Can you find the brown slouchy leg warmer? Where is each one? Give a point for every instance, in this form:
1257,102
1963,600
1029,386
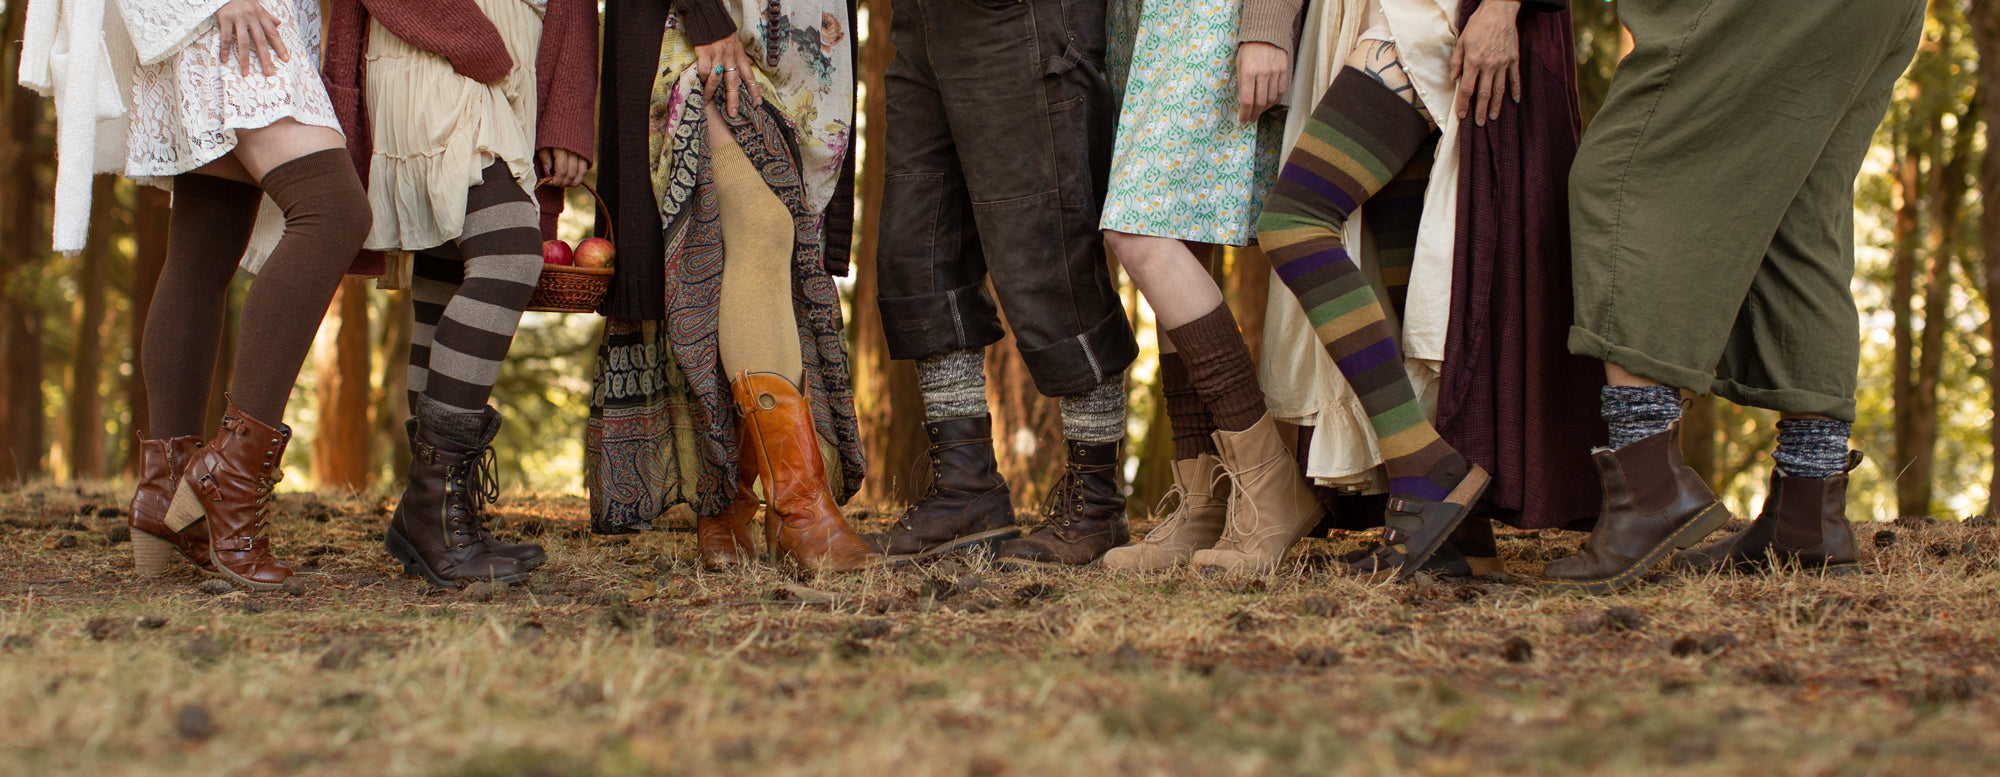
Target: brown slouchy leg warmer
1219,365
326,218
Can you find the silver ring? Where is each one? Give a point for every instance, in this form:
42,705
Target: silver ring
729,70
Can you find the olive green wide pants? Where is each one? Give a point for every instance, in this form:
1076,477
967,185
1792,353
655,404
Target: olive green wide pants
1712,201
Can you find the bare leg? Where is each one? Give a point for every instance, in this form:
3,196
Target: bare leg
1170,273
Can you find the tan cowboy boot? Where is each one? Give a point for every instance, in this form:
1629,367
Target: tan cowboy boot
801,520
1201,509
1270,505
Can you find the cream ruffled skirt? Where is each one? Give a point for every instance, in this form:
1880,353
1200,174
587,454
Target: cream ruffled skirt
436,131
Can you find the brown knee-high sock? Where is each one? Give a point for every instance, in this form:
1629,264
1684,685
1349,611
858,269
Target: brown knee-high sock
1193,425
207,232
326,218
759,332
1220,367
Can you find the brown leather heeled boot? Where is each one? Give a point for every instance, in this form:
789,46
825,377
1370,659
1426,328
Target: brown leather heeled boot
1803,524
161,463
228,484
1654,503
724,540
801,520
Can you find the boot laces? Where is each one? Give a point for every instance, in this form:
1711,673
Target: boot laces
267,495
475,484
1063,504
1179,493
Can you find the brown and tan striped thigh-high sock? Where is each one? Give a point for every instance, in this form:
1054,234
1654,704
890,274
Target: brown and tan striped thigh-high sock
326,218
467,311
759,333
207,232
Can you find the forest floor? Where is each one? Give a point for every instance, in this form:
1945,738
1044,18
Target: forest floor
622,658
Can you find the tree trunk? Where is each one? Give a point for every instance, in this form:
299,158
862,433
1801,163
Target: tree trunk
22,440
1904,178
392,406
85,402
342,457
1984,16
1947,196
150,210
1027,427
886,396
1699,433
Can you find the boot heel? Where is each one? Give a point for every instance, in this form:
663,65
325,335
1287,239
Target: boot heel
150,554
186,508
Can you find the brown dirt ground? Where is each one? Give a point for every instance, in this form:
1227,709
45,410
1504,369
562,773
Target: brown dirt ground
622,658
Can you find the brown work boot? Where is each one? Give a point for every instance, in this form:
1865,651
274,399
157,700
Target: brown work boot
1201,509
966,508
227,484
801,520
723,541
1083,517
1803,524
161,463
438,527
1270,506
1653,504
529,554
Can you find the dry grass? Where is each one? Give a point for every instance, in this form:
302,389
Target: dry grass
621,658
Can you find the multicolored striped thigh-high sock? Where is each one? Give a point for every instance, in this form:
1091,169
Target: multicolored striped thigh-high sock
1393,217
1359,137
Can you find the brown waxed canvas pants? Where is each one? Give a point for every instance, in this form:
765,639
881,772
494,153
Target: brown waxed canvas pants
1712,201
999,146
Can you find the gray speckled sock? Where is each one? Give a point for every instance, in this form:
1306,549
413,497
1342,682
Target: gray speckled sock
954,385
1812,447
1097,415
1635,413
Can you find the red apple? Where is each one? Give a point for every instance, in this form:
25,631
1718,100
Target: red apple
595,252
556,252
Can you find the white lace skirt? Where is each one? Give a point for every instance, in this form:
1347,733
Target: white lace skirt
186,109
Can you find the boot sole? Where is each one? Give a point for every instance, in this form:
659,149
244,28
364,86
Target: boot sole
1688,535
986,543
413,563
1022,565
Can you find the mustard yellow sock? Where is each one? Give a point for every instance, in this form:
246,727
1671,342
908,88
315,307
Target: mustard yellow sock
758,332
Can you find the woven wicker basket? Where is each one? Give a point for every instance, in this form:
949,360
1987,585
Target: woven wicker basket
571,289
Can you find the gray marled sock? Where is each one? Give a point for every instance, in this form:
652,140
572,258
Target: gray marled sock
1812,447
1097,415
451,423
954,385
1635,413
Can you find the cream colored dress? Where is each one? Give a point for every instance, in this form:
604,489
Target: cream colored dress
436,131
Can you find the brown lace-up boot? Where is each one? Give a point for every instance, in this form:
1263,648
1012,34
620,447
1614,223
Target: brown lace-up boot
438,528
1653,504
1201,509
801,520
966,507
724,541
228,484
1083,517
161,463
530,554
1803,524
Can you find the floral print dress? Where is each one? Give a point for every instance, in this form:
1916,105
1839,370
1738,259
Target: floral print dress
1184,167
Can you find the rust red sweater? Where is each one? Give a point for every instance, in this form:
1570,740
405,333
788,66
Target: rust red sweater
565,67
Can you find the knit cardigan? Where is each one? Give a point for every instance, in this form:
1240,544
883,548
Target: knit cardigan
565,68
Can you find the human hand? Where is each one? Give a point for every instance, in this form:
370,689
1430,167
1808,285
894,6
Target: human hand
250,30
1263,72
724,65
560,167
1487,61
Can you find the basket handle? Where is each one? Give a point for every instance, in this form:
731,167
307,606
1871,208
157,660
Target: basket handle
602,210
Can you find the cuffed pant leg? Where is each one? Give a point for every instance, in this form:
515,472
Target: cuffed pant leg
930,266
1713,127
1030,110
